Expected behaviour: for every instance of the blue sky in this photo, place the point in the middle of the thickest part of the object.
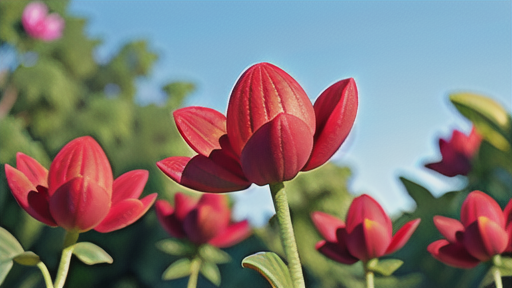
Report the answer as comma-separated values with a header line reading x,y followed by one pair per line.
x,y
406,58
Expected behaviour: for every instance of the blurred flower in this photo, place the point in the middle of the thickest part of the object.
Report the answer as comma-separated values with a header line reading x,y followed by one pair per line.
x,y
457,153
41,25
271,132
78,193
205,221
483,232
367,234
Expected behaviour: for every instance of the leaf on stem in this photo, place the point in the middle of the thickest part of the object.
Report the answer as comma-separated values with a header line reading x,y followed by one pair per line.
x,y
211,272
213,254
384,267
9,248
178,269
271,267
27,258
91,254
176,247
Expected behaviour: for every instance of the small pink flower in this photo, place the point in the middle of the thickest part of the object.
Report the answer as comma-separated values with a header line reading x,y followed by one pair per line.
x,y
366,235
482,232
457,153
41,25
203,221
79,193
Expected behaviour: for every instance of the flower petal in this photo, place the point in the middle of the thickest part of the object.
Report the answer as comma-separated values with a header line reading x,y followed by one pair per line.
x,y
402,236
368,240
20,185
203,224
327,225
336,251
129,185
34,171
335,111
365,207
232,235
480,204
201,128
166,217
484,238
448,227
507,213
40,207
277,151
452,254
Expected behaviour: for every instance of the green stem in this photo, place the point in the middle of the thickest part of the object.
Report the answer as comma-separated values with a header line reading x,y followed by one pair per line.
x,y
497,277
194,272
369,279
286,233
69,240
46,274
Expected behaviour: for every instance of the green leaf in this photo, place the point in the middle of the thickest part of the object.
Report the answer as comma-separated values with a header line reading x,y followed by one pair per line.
x,y
211,272
9,246
213,254
178,269
490,118
271,267
91,254
176,247
385,267
27,258
5,267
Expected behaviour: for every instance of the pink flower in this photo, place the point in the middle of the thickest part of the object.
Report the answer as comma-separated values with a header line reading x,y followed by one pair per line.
x,y
366,235
205,221
271,132
457,153
78,193
483,232
41,25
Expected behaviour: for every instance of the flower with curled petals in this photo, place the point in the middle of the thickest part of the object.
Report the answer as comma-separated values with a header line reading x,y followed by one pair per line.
x,y
270,133
78,192
41,25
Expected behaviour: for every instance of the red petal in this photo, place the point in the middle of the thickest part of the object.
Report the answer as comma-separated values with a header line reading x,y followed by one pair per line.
x,y
129,185
183,205
452,254
20,185
39,206
82,157
448,227
277,151
203,173
365,207
261,93
335,111
507,213
232,235
484,238
480,204
125,213
34,171
167,219
402,236
368,240
336,251
327,225
203,224
80,204
201,128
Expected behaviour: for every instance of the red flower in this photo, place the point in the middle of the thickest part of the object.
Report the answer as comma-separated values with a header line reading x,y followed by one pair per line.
x,y
457,153
367,234
41,25
271,132
484,231
205,221
78,193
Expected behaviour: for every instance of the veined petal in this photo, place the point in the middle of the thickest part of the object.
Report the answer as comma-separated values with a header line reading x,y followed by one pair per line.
x,y
34,171
448,227
368,240
365,207
452,254
335,111
166,217
402,236
484,238
336,251
233,234
201,128
125,213
129,185
327,225
277,151
480,204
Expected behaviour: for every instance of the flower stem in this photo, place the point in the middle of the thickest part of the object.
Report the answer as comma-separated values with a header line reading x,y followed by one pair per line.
x,y
369,279
497,277
46,274
286,232
69,240
194,272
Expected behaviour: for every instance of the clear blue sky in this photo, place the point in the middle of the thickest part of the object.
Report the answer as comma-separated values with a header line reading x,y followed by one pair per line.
x,y
406,57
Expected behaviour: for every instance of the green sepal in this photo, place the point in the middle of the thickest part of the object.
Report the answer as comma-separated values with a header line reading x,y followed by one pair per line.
x,y
178,269
504,264
384,267
91,254
213,254
271,267
27,258
9,248
211,272
176,247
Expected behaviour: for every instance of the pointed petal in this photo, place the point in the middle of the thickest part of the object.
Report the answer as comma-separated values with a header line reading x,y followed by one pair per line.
x,y
203,173
129,185
336,251
203,224
452,254
327,225
484,238
480,204
448,227
34,171
402,236
125,213
507,213
233,234
183,205
79,204
335,111
167,219
39,206
277,151
20,185
368,240
365,207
